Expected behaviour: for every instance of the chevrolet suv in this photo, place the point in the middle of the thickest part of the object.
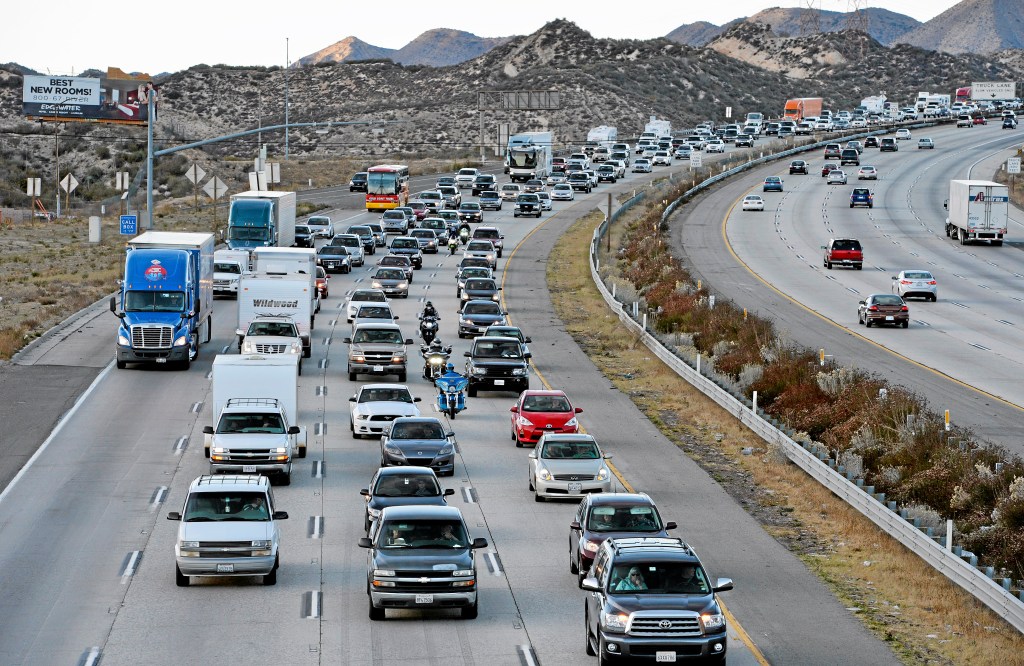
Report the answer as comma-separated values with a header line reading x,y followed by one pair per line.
x,y
377,349
652,599
497,364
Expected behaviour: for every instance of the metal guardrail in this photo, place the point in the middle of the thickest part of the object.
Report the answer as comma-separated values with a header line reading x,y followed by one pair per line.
x,y
950,562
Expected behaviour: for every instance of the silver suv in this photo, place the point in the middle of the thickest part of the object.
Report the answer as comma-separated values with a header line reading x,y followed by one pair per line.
x,y
228,528
377,349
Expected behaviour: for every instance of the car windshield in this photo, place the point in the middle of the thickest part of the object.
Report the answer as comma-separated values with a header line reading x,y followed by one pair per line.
x,y
423,233
302,230
407,485
476,271
847,244
267,424
227,268
223,506
470,206
417,430
423,534
567,450
400,243
390,274
497,349
633,518
394,216
659,578
333,250
272,328
395,261
154,301
479,246
481,308
479,284
348,241
374,312
360,231
377,336
546,403
385,395
369,296
319,221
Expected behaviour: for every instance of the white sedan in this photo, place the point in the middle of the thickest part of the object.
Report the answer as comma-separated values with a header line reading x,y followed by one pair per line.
x,y
836,177
563,192
715,147
545,200
375,406
642,166
753,202
903,135
867,172
916,283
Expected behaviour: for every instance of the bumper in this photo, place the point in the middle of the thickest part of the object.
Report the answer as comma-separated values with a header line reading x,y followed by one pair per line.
x,y
532,435
394,291
131,355
241,566
489,383
561,488
895,320
266,469
443,465
408,599
491,206
472,329
374,369
370,428
647,649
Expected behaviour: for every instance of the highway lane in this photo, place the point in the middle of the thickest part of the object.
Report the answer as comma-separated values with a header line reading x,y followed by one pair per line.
x,y
108,471
903,230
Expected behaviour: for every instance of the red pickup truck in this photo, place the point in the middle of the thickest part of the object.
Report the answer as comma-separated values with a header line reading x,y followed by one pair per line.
x,y
844,252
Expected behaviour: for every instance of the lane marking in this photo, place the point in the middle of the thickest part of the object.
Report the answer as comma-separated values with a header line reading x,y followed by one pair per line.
x,y
312,604
319,469
469,495
321,390
316,527
131,565
319,428
324,362
158,497
493,561
91,657
196,407
527,657
181,444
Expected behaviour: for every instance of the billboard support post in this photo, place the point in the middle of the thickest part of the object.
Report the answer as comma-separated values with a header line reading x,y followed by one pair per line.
x,y
149,162
56,159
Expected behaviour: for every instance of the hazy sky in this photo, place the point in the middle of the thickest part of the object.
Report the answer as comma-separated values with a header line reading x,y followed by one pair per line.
x,y
67,36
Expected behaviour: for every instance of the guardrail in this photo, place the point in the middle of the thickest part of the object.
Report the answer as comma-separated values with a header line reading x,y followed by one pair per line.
x,y
957,565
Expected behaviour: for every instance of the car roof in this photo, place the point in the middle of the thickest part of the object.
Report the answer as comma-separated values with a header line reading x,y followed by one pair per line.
x,y
406,470
235,482
551,392
421,511
364,387
604,499
568,437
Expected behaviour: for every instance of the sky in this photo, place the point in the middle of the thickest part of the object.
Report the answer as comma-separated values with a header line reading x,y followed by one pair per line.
x,y
157,37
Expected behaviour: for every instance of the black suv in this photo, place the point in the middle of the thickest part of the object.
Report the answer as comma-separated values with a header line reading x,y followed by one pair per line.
x,y
497,364
358,182
483,183
653,600
798,166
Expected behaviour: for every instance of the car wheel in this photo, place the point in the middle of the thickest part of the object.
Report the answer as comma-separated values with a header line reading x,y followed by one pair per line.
x,y
867,322
271,578
573,567
906,324
586,634
471,612
284,479
121,365
828,265
537,497
351,376
180,579
472,391
376,614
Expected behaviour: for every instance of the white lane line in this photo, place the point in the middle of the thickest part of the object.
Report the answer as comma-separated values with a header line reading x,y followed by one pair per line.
x,y
319,469
327,341
527,657
333,322
209,375
312,604
316,527
91,657
324,362
181,444
196,407
1003,321
224,350
158,497
493,562
319,428
469,495
321,390
131,565
960,305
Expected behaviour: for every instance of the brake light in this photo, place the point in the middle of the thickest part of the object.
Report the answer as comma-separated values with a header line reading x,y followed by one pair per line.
x,y
931,282
904,309
908,282
873,308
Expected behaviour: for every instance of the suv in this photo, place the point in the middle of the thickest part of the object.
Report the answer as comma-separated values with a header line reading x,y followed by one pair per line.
x,y
466,177
843,251
492,234
377,349
833,151
850,156
410,247
509,191
228,528
526,204
358,182
579,180
421,557
273,334
497,364
394,222
483,183
652,598
490,200
889,144
861,196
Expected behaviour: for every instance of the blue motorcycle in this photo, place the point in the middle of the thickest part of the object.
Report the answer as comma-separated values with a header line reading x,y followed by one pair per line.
x,y
451,396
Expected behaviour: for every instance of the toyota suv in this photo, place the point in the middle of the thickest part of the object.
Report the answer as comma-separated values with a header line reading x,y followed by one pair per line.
x,y
652,599
497,364
421,557
228,528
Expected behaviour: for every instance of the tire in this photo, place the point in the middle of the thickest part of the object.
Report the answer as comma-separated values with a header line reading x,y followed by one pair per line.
x,y
452,412
934,298
867,322
180,579
376,614
586,634
472,390
271,578
185,364
121,365
906,324
859,267
284,479
828,265
573,567
470,612
537,497
352,376
401,377
602,658
529,482
300,367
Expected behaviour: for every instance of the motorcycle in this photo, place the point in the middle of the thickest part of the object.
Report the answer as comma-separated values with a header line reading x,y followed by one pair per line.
x,y
428,328
451,395
453,245
435,358
464,235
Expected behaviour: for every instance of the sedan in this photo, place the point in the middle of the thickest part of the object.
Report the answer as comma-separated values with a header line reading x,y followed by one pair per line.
x,y
662,158
480,289
533,185
545,200
304,236
374,406
604,516
715,147
556,177
772,184
753,202
563,192
744,140
419,441
883,309
322,280
402,486
398,261
642,165
925,143
470,211
915,283
903,135
373,313
391,281
568,466
798,166
476,316
867,172
871,142
321,225
360,297
836,177
538,412
427,240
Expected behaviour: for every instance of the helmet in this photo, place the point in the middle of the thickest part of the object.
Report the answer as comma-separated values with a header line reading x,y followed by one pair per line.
x,y
450,367
429,305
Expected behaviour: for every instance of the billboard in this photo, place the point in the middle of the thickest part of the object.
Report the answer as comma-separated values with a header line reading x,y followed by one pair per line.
x,y
84,99
990,90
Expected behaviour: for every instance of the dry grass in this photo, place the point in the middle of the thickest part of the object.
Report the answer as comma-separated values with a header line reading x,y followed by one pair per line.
x,y
926,619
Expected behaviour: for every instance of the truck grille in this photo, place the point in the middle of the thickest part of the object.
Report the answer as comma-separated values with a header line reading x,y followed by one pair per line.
x,y
266,348
221,549
247,457
148,336
425,581
378,357
661,625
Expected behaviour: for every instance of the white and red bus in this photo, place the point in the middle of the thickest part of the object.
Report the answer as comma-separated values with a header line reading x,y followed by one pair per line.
x,y
387,186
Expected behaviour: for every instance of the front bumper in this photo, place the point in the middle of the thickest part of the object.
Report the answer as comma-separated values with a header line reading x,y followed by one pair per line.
x,y
408,599
241,566
561,488
531,434
518,384
376,368
132,355
647,649
266,469
443,465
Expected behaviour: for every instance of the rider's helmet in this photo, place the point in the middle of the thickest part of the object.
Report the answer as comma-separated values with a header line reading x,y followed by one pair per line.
x,y
428,305
450,367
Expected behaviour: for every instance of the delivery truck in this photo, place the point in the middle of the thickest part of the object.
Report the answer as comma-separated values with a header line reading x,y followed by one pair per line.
x,y
255,416
977,211
261,219
228,266
799,108
268,295
165,302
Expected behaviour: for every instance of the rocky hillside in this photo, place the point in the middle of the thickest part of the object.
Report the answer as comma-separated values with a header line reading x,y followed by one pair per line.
x,y
437,48
972,26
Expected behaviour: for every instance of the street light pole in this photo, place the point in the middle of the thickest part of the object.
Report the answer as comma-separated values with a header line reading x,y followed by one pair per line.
x,y
286,65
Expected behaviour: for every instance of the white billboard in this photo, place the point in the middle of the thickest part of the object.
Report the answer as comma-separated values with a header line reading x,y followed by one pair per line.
x,y
990,90
61,90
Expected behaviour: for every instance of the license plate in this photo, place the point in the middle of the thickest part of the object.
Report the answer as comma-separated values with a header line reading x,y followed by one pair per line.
x,y
665,657
576,487
424,598
161,360
225,568
499,382
888,319
378,368
248,469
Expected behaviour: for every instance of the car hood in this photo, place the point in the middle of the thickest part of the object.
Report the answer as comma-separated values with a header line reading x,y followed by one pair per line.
x,y
542,419
246,441
377,346
698,603
583,466
423,559
501,363
387,407
228,530
489,318
378,502
427,446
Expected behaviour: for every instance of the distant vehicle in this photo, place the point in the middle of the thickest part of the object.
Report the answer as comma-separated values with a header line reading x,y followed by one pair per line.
x,y
925,143
753,202
862,196
642,165
883,309
915,283
867,172
358,182
843,252
836,177
772,184
798,166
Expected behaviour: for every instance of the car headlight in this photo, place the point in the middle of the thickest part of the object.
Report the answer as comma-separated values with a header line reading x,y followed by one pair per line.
x,y
462,573
495,297
543,474
712,621
181,341
362,417
384,573
614,622
123,340
393,450
446,450
523,422
518,372
403,285
261,543
591,546
188,544
357,358
296,347
375,284
398,358
603,474
572,423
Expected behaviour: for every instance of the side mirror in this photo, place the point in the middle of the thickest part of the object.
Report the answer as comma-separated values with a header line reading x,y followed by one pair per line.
x,y
395,317
894,278
578,410
823,247
417,399
293,430
280,515
514,409
239,332
590,584
450,433
533,455
347,341
365,542
467,354
527,340
113,307
481,542
607,456
173,515
722,585
528,355
365,492
449,491
670,525
575,525
409,341
208,430
352,399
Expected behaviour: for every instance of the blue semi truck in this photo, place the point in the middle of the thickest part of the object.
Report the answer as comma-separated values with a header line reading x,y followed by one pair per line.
x,y
261,219
166,300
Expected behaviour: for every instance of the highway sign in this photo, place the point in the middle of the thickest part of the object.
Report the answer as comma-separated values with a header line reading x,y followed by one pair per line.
x,y
195,173
129,225
1013,165
68,183
215,188
989,90
696,160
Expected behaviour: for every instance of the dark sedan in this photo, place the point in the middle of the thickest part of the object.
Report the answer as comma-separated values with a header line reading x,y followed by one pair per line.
x,y
481,289
402,486
418,441
476,316
304,236
471,211
798,166
883,309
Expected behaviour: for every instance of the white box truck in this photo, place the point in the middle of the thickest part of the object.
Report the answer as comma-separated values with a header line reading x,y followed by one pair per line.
x,y
261,219
977,211
655,129
255,416
529,156
262,295
288,261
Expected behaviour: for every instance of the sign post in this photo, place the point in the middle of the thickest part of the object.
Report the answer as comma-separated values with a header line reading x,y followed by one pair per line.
x,y
195,174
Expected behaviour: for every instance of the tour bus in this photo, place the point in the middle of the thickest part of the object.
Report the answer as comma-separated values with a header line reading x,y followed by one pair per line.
x,y
387,186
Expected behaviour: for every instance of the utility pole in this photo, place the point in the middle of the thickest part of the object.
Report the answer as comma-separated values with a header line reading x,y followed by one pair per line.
x,y
287,64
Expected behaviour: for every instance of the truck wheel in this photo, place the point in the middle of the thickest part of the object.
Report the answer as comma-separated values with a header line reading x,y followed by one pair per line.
x,y
828,265
307,351
121,365
401,377
586,635
302,451
186,363
180,579
472,391
271,578
284,479
300,367
471,612
376,614
351,376
860,267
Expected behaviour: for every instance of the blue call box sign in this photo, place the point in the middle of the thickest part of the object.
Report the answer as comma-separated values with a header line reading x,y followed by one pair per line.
x,y
129,225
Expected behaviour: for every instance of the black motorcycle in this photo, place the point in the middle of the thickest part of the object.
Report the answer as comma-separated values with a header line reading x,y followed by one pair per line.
x,y
428,328
435,358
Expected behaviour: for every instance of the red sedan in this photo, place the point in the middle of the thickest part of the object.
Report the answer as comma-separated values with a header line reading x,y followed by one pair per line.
x,y
539,412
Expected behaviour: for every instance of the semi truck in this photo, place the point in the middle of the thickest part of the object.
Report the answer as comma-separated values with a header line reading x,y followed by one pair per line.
x,y
798,108
528,156
269,295
261,219
977,211
255,416
165,302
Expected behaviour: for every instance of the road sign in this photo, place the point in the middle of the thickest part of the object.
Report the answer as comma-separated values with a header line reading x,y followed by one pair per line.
x,y
121,181
696,160
34,187
989,90
68,183
1013,165
215,188
728,112
275,172
195,173
129,225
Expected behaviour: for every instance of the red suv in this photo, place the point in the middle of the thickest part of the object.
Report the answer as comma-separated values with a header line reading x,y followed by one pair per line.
x,y
538,412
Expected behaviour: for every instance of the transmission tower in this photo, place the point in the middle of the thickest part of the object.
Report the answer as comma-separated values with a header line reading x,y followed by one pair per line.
x,y
856,18
810,17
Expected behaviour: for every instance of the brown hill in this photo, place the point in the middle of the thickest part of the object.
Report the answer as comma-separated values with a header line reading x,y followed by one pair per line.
x,y
346,50
442,46
972,26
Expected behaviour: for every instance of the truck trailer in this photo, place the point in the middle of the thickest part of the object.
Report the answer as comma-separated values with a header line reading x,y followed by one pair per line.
x,y
261,219
799,108
166,299
528,156
977,211
288,261
268,295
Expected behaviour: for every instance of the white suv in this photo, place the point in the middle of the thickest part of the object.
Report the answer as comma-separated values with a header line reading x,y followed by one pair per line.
x,y
228,528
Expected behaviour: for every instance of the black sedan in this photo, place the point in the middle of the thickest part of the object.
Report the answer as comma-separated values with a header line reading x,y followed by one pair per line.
x,y
419,441
402,486
470,211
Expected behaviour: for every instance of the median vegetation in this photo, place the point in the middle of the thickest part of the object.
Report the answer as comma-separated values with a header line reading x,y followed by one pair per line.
x,y
883,434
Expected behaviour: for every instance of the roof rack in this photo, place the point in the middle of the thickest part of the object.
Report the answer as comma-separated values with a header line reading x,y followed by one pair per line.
x,y
631,543
233,479
252,402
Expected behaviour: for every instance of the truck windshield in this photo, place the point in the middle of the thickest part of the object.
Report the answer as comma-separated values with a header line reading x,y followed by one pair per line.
x,y
382,183
217,507
154,301
523,158
248,233
659,578
227,268
266,424
423,534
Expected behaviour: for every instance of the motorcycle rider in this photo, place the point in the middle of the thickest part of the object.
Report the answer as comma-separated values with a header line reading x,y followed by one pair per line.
x,y
429,311
436,347
465,232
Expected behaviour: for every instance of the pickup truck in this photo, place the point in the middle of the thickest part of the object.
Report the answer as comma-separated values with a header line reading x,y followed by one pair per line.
x,y
844,252
377,349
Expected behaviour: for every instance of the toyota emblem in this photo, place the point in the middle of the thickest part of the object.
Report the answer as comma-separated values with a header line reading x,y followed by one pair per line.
x,y
665,624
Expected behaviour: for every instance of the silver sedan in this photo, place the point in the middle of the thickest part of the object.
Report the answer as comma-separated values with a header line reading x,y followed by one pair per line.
x,y
915,283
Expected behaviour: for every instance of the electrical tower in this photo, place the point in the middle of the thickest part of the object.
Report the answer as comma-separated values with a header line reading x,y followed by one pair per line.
x,y
810,17
856,18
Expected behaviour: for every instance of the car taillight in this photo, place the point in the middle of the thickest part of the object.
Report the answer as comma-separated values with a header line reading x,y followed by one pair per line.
x,y
904,309
908,282
931,282
873,308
